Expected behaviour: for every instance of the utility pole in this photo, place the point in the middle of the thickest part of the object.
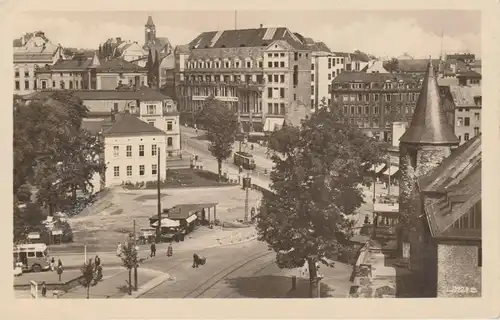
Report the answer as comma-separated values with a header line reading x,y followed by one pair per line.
x,y
135,267
389,174
158,228
246,183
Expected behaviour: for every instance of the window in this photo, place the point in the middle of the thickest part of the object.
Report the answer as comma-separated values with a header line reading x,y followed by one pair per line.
x,y
151,109
270,64
295,56
276,64
312,89
39,254
270,55
269,78
466,137
169,141
53,84
116,171
329,88
294,97
151,123
70,84
154,169
367,110
282,64
276,77
312,66
467,121
312,102
329,76
353,109
44,85
388,97
375,96
153,150
282,92
476,131
26,85
460,121
282,108
129,151
26,74
63,86
260,64
479,256
169,126
282,78
116,151
360,110
476,116
141,170
270,108
129,171
141,150
18,87
269,92
312,77
31,254
16,73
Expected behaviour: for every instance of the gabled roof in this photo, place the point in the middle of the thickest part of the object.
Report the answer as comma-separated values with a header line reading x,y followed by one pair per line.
x,y
429,124
260,37
463,96
127,124
452,189
318,46
75,64
119,65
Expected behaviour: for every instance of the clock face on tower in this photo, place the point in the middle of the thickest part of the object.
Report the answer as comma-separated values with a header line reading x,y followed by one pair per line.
x,y
148,30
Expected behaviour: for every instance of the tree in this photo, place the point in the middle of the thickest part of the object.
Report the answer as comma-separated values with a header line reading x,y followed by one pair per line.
x,y
392,65
88,275
129,259
221,125
316,183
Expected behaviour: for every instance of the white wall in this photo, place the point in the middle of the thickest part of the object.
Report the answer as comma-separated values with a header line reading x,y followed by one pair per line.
x,y
135,160
125,79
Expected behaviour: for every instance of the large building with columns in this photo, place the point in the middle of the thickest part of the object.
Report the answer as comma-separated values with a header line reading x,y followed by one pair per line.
x,y
260,73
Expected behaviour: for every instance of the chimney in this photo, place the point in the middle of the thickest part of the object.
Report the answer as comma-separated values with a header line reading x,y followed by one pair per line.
x,y
261,25
118,39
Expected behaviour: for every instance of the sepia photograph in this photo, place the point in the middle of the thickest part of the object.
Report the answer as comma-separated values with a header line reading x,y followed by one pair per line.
x,y
249,154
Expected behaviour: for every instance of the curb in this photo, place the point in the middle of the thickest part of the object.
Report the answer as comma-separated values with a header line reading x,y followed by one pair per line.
x,y
148,286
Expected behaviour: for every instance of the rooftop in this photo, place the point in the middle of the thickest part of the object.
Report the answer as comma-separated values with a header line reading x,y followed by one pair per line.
x,y
429,124
75,64
452,189
463,96
260,37
373,77
127,124
119,65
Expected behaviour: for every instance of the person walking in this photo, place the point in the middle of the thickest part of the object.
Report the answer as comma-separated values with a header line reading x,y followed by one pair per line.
x,y
44,289
59,263
170,250
196,260
97,261
153,249
119,249
52,264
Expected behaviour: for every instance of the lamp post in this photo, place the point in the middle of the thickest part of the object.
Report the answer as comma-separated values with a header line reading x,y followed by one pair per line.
x,y
158,228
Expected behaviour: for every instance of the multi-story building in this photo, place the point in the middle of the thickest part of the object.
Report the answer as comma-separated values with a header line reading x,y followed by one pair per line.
x,y
148,105
322,73
31,53
440,203
373,101
463,107
131,148
259,73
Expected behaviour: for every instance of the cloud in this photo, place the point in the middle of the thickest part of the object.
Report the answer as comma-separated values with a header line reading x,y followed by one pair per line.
x,y
375,35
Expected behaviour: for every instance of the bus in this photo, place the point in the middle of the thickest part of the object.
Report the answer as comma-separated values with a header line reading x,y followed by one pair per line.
x,y
245,160
34,256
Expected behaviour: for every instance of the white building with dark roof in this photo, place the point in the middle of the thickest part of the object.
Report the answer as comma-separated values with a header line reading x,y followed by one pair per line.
x,y
131,149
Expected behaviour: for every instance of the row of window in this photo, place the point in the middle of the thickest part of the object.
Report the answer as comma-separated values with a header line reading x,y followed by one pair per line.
x,y
276,108
467,136
17,84
389,85
276,78
276,93
329,88
388,97
26,73
226,78
248,63
465,121
129,170
128,149
376,109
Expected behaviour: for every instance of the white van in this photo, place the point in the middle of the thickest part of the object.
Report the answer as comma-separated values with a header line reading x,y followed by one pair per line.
x,y
34,256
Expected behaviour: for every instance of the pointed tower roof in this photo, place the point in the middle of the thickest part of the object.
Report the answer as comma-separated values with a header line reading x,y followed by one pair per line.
x,y
95,61
429,124
150,21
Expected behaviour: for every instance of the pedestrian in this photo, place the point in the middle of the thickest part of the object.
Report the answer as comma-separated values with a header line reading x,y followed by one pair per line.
x,y
153,249
44,289
196,260
97,261
119,249
170,250
251,146
52,264
59,263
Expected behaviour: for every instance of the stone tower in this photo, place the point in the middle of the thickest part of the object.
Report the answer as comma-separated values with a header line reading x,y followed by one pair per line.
x,y
149,31
423,146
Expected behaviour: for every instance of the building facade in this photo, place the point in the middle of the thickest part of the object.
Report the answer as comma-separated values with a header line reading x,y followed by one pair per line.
x,y
131,151
322,73
31,54
259,73
373,101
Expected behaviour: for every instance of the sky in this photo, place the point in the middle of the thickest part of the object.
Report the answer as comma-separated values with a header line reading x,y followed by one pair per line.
x,y
419,33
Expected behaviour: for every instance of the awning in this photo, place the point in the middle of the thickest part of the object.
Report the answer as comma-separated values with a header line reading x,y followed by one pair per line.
x,y
273,124
57,232
391,170
377,168
166,222
34,235
191,218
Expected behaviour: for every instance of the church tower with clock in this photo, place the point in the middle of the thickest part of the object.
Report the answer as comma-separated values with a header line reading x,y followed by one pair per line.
x,y
150,31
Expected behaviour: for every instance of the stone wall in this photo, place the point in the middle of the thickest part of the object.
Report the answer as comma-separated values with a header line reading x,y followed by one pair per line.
x,y
458,272
429,157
